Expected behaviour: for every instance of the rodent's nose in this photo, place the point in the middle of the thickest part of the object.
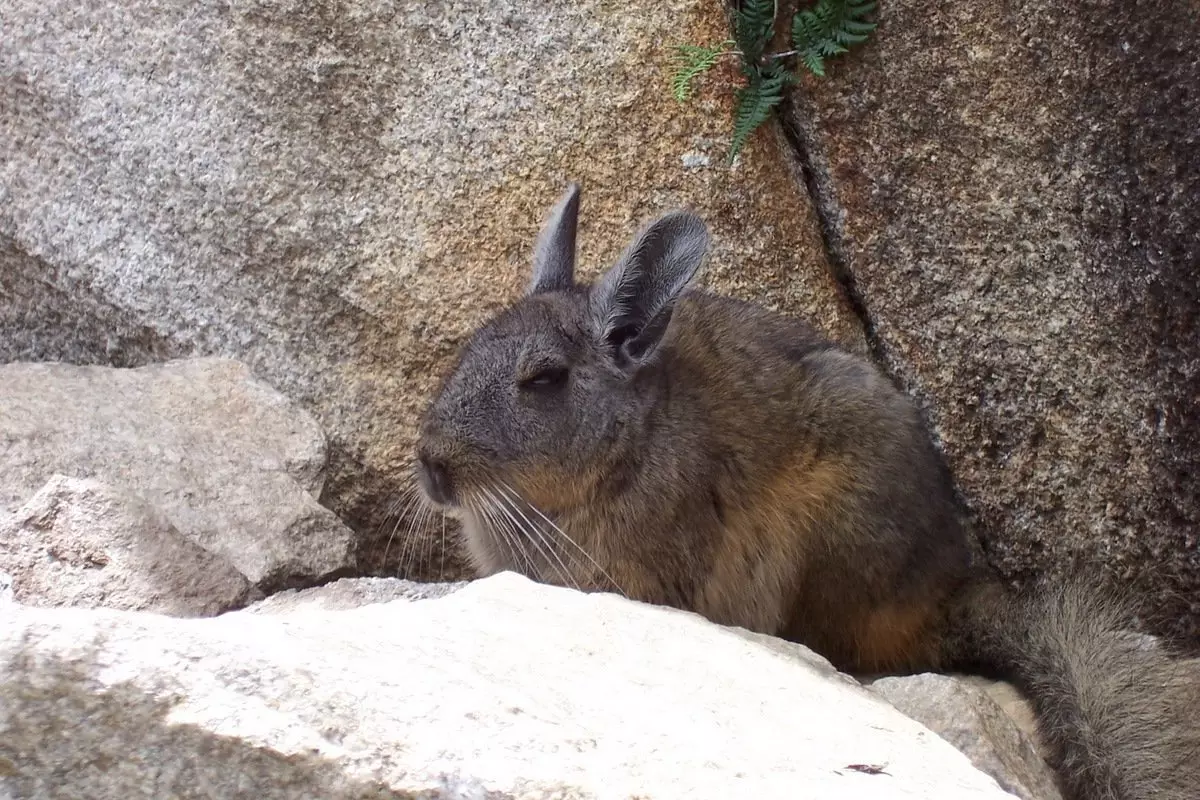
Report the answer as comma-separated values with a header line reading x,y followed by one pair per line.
x,y
435,480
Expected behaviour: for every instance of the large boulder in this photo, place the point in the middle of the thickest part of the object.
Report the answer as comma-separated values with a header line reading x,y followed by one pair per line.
x,y
336,193
230,463
502,689
1013,188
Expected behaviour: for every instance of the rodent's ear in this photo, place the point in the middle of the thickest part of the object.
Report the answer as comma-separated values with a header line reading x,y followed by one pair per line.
x,y
633,303
554,255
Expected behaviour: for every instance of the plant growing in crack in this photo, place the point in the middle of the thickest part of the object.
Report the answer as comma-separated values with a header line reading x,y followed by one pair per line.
x,y
818,33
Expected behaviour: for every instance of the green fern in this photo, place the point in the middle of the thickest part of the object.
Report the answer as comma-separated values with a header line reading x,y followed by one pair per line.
x,y
829,29
691,62
752,30
762,92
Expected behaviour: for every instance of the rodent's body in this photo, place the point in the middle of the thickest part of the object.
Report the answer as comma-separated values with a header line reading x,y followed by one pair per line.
x,y
704,453
803,501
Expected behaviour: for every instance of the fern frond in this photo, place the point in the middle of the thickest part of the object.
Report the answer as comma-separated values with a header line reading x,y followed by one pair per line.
x,y
828,29
762,92
752,28
692,61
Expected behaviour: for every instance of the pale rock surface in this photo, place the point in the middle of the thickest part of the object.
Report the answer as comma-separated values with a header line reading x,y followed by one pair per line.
x,y
230,463
502,689
348,593
965,713
337,193
79,542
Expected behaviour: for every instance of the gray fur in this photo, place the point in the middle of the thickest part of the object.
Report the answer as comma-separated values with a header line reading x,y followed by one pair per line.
x,y
735,463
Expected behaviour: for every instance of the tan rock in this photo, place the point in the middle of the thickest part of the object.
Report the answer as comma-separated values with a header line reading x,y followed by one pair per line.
x,y
338,194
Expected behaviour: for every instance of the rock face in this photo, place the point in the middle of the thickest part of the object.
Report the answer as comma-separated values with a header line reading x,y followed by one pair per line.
x,y
82,543
503,689
230,463
1013,188
337,193
967,717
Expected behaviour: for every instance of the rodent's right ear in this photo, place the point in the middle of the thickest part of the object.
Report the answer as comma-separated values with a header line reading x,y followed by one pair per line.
x,y
554,255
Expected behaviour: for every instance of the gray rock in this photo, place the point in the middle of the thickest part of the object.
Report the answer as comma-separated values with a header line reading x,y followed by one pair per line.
x,y
82,543
337,194
502,689
230,463
969,718
1013,188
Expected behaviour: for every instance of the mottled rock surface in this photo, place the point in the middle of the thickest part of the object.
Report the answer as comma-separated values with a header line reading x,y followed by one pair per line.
x,y
337,193
229,462
1014,188
966,716
504,689
83,543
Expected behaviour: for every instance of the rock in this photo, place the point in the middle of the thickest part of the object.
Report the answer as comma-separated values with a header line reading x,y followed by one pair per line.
x,y
229,462
1012,187
966,716
82,543
503,689
337,195
347,593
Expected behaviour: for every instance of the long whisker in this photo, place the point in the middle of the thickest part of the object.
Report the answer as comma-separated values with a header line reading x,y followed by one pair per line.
x,y
513,492
399,508
492,512
442,564
536,530
409,552
522,536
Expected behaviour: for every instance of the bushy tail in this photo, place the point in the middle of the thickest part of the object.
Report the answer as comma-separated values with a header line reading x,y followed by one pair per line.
x,y
1119,715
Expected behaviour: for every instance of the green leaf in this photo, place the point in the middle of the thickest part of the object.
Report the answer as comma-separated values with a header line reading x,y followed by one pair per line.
x,y
753,23
763,92
692,61
828,29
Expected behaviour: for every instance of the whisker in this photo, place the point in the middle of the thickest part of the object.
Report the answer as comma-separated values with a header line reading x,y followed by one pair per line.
x,y
400,507
536,530
520,536
531,534
513,492
409,551
491,512
442,564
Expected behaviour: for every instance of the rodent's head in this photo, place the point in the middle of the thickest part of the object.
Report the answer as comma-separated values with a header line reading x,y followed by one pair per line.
x,y
550,390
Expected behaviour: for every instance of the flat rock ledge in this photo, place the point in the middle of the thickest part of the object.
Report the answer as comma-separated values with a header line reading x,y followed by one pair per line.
x,y
499,689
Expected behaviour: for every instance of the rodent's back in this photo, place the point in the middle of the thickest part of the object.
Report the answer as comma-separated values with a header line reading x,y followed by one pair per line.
x,y
838,525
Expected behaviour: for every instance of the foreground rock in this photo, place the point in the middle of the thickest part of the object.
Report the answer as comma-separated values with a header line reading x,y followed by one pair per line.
x,y
502,689
338,193
966,716
82,543
230,463
1013,187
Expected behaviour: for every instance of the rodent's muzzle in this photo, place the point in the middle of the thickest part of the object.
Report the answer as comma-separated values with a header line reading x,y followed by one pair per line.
x,y
435,480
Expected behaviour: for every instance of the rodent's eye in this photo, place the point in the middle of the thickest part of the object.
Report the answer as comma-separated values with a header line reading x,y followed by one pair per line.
x,y
548,378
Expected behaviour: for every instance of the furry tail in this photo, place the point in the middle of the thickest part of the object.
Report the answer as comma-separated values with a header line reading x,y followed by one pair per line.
x,y
1119,716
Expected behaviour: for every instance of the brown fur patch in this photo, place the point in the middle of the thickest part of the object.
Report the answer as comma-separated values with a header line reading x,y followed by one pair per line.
x,y
768,536
897,637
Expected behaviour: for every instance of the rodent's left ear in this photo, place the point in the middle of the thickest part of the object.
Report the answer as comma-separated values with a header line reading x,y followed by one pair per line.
x,y
554,255
633,303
